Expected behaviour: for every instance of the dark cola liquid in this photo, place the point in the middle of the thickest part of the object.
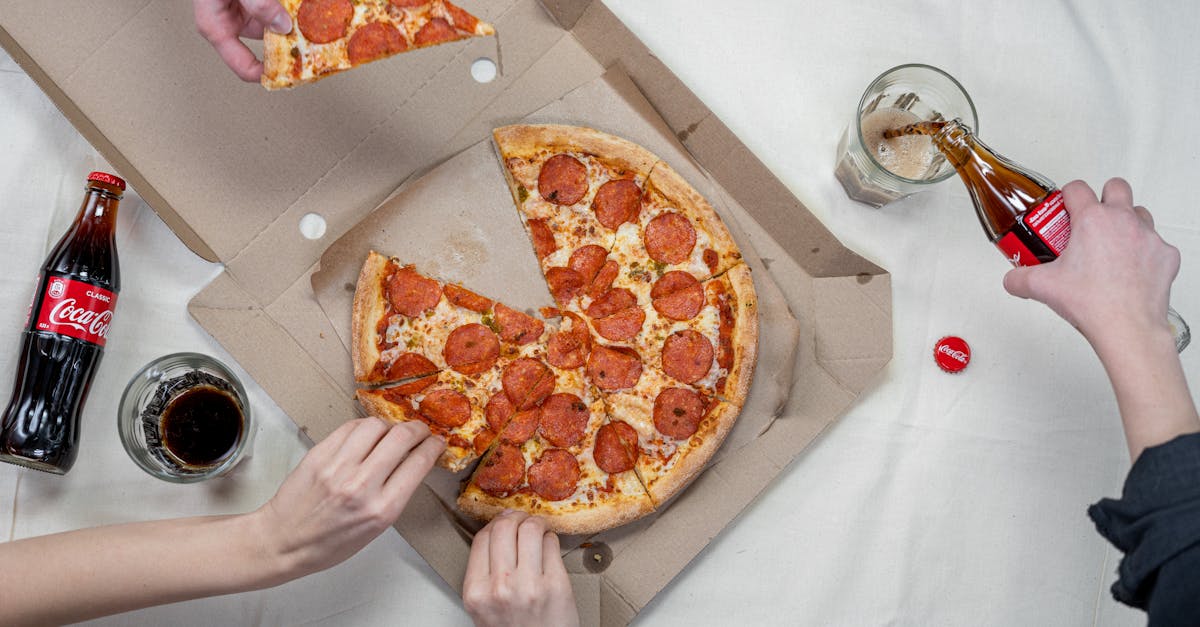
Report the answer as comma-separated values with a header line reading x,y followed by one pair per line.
x,y
194,421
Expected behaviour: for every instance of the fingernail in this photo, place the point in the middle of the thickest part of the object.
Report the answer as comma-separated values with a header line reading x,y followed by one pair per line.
x,y
282,24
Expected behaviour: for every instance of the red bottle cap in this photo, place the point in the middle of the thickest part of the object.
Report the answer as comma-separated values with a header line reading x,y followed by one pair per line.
x,y
105,177
952,354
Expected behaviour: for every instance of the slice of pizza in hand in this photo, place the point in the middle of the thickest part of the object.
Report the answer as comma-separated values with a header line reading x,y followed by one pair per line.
x,y
561,459
573,186
330,36
407,325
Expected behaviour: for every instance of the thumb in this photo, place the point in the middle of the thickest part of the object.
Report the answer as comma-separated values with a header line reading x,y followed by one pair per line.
x,y
269,13
1018,281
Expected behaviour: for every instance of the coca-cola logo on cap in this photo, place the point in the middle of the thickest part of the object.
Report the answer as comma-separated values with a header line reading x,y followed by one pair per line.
x,y
77,309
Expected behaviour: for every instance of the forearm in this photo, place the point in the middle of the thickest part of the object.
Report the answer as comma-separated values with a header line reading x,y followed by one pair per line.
x,y
1151,390
73,576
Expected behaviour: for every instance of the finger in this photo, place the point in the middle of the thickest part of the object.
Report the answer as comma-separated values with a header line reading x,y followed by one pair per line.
x,y
252,29
1017,282
334,441
477,563
239,58
269,13
502,553
363,439
391,450
405,479
552,562
1144,214
1117,193
529,545
1078,197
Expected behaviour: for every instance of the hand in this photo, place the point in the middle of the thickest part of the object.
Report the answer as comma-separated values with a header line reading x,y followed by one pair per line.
x,y
345,492
515,575
1114,278
222,22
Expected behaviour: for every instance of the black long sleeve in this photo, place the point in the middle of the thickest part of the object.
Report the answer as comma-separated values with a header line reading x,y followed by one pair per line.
x,y
1156,524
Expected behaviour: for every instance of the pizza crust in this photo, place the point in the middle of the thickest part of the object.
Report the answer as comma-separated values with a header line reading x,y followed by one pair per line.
x,y
745,335
277,61
483,506
716,427
370,303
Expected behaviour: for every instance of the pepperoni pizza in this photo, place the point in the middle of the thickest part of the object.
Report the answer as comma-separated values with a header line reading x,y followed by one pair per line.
x,y
329,36
610,403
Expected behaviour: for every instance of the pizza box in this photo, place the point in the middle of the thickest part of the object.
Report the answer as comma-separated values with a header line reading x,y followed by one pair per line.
x,y
233,170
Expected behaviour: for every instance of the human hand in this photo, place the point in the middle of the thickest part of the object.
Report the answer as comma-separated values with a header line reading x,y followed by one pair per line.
x,y
222,22
1114,277
345,492
515,575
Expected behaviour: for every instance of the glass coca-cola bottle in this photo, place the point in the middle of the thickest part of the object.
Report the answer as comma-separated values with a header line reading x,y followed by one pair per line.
x,y
1021,211
65,335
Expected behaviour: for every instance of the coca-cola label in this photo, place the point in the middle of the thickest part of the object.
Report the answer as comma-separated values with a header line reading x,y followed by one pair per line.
x,y
76,309
1050,222
1016,251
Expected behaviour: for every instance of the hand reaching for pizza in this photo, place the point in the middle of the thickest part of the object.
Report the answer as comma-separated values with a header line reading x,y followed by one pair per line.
x,y
515,575
345,492
224,22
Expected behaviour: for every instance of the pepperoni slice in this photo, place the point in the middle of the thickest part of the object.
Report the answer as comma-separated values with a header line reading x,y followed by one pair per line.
x,y
516,327
587,262
407,365
373,41
678,412
565,284
323,21
677,295
462,20
604,279
711,259
418,386
435,31
527,382
669,238
555,475
471,349
568,349
687,355
617,202
522,426
563,180
446,408
614,367
502,472
564,419
543,238
616,448
719,297
498,410
483,440
616,316
412,294
465,298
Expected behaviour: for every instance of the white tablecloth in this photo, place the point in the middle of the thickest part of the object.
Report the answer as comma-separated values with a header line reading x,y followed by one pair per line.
x,y
936,499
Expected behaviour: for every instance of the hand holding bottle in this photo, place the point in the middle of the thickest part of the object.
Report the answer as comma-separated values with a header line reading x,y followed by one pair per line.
x,y
1115,275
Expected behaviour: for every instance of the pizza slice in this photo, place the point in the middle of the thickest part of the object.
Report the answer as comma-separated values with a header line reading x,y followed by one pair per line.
x,y
408,325
330,36
573,187
562,462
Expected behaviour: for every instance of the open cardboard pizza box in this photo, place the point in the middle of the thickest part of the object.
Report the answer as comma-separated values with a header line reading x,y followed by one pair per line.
x,y
397,155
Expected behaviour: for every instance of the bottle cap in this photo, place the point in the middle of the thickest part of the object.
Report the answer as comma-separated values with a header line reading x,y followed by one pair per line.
x,y
105,177
952,354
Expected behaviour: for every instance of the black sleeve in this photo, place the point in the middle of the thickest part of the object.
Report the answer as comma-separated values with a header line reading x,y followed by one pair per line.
x,y
1156,524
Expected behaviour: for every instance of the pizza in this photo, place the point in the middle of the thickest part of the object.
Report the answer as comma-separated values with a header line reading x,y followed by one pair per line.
x,y
599,407
330,36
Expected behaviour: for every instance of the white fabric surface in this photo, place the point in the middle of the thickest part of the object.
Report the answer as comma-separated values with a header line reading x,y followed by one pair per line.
x,y
936,499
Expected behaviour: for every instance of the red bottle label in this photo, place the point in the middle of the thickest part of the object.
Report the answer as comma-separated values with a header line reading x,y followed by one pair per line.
x,y
76,309
1017,252
1050,222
